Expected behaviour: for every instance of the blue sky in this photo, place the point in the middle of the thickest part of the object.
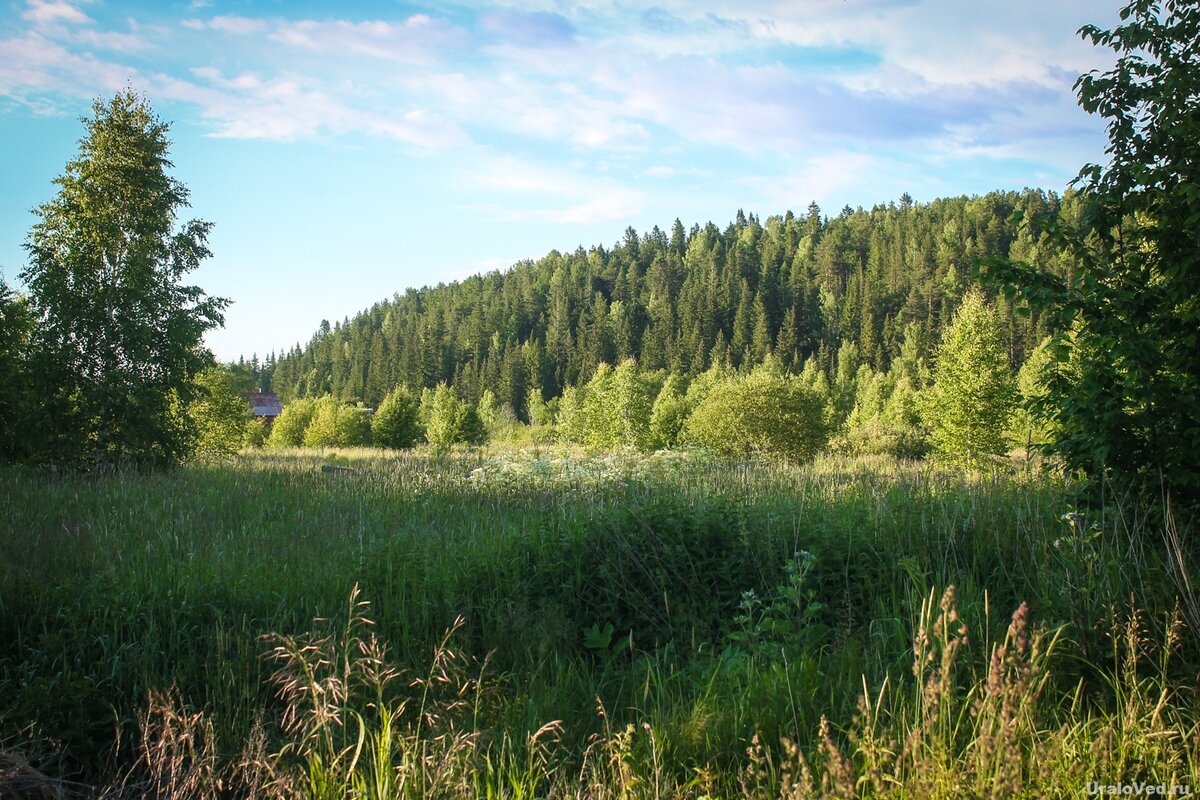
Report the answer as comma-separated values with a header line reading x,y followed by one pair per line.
x,y
347,151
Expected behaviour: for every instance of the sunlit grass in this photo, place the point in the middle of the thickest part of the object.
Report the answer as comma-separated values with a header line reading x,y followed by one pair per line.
x,y
604,595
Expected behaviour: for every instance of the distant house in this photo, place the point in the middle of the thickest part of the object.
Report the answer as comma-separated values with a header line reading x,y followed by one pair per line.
x,y
265,405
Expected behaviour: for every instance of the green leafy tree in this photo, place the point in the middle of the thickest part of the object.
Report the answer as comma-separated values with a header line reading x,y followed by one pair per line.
x,y
539,412
616,407
15,401
289,427
1026,428
902,424
219,415
445,416
488,409
668,414
600,419
322,428
118,336
336,425
470,428
1128,322
572,419
397,423
257,431
973,393
760,414
633,396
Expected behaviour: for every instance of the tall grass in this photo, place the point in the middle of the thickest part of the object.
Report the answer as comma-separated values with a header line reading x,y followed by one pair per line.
x,y
621,626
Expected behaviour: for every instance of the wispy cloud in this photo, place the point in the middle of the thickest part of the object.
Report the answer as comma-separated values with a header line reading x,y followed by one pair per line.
x,y
754,82
250,106
535,191
49,12
415,40
238,26
529,29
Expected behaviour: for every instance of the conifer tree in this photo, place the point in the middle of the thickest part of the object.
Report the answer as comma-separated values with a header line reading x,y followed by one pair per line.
x,y
973,392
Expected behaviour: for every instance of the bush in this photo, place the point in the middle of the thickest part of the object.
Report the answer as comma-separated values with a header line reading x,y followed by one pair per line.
x,y
256,433
218,414
397,423
289,427
668,414
336,425
760,414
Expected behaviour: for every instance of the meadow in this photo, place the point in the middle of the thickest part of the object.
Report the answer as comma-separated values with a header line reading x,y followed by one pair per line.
x,y
547,622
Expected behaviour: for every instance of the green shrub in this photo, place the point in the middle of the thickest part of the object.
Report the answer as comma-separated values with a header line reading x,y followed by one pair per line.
x,y
337,425
397,423
760,414
289,427
218,414
668,414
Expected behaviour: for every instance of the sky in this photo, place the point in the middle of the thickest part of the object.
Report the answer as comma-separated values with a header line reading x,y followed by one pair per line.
x,y
347,151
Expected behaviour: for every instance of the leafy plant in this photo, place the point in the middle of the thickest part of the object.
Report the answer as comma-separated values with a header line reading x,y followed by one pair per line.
x,y
1121,398
972,395
118,336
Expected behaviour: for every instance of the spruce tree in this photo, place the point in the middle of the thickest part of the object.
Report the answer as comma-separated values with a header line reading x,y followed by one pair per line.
x,y
973,392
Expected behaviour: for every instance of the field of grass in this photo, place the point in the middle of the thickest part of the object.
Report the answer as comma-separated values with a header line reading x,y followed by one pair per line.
x,y
546,623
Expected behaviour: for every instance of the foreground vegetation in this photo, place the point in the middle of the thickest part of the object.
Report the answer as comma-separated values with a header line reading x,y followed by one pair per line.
x,y
556,623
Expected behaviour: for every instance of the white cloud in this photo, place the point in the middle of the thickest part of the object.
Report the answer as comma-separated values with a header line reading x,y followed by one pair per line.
x,y
820,178
538,192
115,40
250,106
51,12
33,64
239,26
415,40
607,81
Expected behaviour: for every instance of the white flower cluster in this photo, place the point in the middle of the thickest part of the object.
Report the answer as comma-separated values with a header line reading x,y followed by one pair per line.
x,y
565,471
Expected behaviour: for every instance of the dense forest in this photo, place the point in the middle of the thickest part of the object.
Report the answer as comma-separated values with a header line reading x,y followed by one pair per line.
x,y
797,287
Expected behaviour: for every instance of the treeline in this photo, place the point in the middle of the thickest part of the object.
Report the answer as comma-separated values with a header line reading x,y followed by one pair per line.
x,y
797,288
965,407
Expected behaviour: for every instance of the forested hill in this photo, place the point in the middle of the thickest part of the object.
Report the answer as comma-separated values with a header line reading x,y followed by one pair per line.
x,y
796,286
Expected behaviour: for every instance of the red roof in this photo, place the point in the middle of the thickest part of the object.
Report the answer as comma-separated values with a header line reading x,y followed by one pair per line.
x,y
266,404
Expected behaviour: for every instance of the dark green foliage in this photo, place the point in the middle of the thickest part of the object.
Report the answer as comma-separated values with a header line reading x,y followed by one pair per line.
x,y
117,336
1123,398
397,423
658,568
470,427
1026,430
799,287
15,400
